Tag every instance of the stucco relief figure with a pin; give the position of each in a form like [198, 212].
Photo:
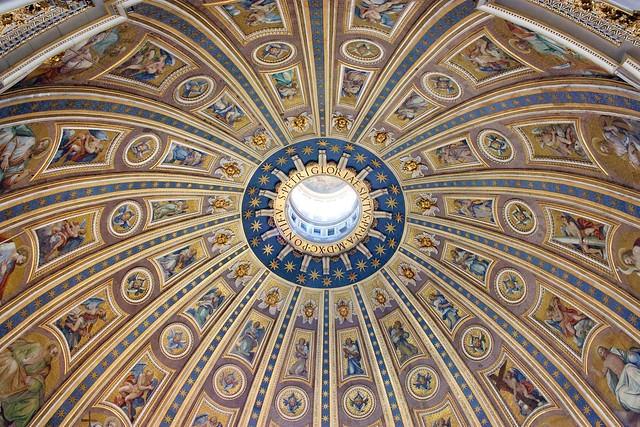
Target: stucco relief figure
[249, 340]
[351, 352]
[301, 353]
[10, 257]
[621, 369]
[18, 145]
[136, 389]
[24, 367]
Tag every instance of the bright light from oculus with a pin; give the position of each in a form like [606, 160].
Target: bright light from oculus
[323, 208]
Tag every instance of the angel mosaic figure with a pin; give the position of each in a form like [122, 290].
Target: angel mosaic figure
[136, 389]
[80, 321]
[249, 340]
[206, 306]
[60, 238]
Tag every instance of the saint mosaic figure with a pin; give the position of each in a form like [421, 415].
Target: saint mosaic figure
[249, 340]
[351, 351]
[621, 369]
[400, 339]
[24, 367]
[135, 391]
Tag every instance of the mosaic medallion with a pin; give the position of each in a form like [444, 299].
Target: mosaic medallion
[125, 219]
[294, 233]
[495, 146]
[441, 86]
[194, 90]
[137, 285]
[358, 402]
[141, 150]
[422, 382]
[273, 53]
[176, 340]
[292, 403]
[363, 51]
[511, 286]
[229, 381]
[476, 343]
[519, 217]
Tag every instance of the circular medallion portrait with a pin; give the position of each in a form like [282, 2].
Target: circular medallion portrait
[141, 150]
[358, 402]
[176, 340]
[441, 86]
[495, 146]
[511, 286]
[519, 217]
[194, 90]
[273, 53]
[422, 382]
[476, 343]
[125, 219]
[229, 381]
[137, 285]
[292, 403]
[363, 51]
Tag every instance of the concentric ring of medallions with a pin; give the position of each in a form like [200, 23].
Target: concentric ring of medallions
[332, 264]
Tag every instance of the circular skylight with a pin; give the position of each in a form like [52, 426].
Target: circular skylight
[323, 208]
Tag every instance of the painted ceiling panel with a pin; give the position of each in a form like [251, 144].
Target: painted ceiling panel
[152, 272]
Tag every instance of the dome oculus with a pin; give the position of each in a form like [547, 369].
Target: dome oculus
[323, 213]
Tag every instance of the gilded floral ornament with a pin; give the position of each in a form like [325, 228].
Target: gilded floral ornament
[341, 122]
[380, 299]
[260, 140]
[240, 273]
[427, 243]
[427, 204]
[344, 310]
[413, 166]
[381, 136]
[219, 203]
[408, 274]
[272, 300]
[309, 311]
[300, 123]
[230, 169]
[221, 240]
